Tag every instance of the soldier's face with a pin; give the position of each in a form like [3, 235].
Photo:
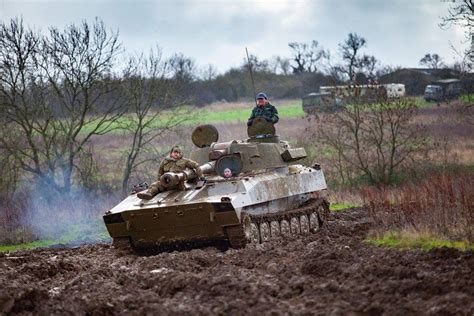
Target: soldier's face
[261, 101]
[227, 173]
[175, 155]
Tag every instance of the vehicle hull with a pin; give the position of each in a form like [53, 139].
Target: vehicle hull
[206, 213]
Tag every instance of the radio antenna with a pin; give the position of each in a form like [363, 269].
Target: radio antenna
[251, 75]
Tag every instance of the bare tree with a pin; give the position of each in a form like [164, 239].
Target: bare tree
[284, 65]
[280, 65]
[306, 56]
[259, 65]
[9, 175]
[433, 61]
[154, 112]
[372, 139]
[354, 63]
[460, 13]
[183, 68]
[57, 93]
[368, 65]
[209, 73]
[350, 49]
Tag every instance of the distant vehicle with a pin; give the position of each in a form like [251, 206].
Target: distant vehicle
[347, 93]
[443, 90]
[395, 90]
[324, 101]
[332, 98]
[433, 93]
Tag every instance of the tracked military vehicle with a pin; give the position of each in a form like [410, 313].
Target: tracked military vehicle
[268, 194]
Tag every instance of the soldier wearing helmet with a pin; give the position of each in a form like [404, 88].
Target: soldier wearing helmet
[263, 109]
[174, 163]
[227, 173]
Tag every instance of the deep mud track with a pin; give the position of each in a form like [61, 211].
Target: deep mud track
[329, 272]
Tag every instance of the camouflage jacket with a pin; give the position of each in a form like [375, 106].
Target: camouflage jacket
[172, 165]
[268, 112]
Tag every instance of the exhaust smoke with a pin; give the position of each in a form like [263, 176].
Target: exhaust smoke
[67, 219]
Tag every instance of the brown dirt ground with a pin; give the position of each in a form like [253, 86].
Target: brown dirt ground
[330, 272]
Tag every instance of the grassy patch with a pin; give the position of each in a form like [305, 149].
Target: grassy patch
[406, 240]
[81, 233]
[30, 245]
[420, 103]
[336, 207]
[199, 116]
[238, 115]
[466, 98]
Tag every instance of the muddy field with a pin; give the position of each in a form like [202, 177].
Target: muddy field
[329, 272]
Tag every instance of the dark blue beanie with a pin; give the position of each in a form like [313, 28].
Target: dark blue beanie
[262, 95]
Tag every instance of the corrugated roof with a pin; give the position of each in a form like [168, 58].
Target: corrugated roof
[453, 80]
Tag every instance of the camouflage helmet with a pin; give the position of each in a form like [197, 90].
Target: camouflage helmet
[176, 149]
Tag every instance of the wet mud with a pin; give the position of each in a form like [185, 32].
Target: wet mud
[330, 272]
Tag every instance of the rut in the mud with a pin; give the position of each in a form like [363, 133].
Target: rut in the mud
[331, 271]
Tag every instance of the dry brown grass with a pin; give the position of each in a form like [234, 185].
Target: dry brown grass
[451, 135]
[441, 206]
[12, 229]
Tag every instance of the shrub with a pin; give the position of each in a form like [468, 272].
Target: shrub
[441, 206]
[373, 140]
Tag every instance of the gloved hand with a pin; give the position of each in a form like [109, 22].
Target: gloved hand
[249, 122]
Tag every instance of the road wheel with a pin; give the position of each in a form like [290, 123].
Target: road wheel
[284, 227]
[247, 226]
[304, 224]
[313, 221]
[254, 234]
[275, 229]
[295, 226]
[264, 232]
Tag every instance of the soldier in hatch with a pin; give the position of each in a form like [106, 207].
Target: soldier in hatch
[174, 163]
[263, 109]
[227, 173]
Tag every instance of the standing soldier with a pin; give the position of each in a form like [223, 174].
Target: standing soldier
[263, 109]
[174, 163]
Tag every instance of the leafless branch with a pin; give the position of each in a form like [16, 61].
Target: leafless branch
[57, 93]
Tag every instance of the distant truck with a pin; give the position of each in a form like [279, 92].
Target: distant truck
[395, 90]
[332, 98]
[323, 101]
[443, 90]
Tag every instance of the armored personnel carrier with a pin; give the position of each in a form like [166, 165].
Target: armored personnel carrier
[267, 194]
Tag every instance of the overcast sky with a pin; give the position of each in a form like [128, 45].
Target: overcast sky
[398, 32]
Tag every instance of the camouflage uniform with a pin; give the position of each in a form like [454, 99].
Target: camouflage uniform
[173, 165]
[268, 112]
